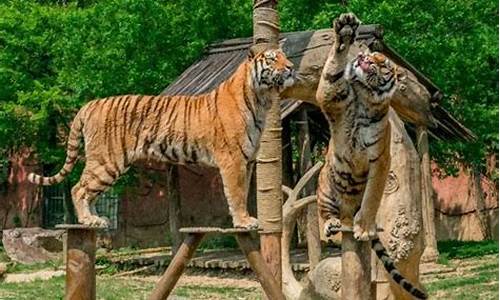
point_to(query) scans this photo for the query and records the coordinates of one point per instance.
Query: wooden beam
(269, 283)
(269, 173)
(176, 267)
(356, 268)
(430, 252)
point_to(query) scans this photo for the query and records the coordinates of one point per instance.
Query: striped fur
(221, 129)
(354, 96)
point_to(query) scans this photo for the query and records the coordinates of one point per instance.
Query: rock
(324, 280)
(33, 245)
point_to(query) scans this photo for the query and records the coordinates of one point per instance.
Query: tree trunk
(481, 211)
(269, 178)
(431, 252)
(174, 206)
(308, 222)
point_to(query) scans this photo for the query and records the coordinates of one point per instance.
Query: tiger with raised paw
(355, 96)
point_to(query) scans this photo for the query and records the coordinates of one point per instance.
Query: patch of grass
(16, 267)
(479, 282)
(118, 288)
(466, 249)
(210, 292)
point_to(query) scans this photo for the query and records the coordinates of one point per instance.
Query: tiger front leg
(235, 180)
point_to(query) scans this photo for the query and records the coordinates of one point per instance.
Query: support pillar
(430, 252)
(356, 268)
(80, 261)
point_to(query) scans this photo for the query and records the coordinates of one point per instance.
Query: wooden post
(356, 268)
(430, 252)
(174, 206)
(268, 282)
(194, 236)
(269, 177)
(176, 267)
(311, 215)
(80, 261)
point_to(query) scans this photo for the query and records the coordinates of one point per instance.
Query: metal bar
(262, 271)
(176, 267)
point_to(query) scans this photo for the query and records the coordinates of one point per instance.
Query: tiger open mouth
(364, 63)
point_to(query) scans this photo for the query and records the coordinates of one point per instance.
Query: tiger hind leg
(235, 180)
(84, 195)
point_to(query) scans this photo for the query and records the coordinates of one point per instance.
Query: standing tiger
(221, 129)
(355, 97)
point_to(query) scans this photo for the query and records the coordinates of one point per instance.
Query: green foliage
(219, 242)
(466, 249)
(56, 55)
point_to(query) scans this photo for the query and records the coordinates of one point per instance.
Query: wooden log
(174, 271)
(264, 274)
(174, 206)
(80, 262)
(430, 252)
(269, 173)
(356, 268)
(311, 214)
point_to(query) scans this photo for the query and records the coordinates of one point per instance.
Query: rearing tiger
(355, 97)
(221, 129)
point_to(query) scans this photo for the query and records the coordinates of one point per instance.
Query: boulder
(33, 245)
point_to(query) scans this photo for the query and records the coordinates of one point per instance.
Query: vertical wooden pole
(269, 177)
(430, 252)
(174, 206)
(174, 271)
(80, 262)
(311, 214)
(356, 268)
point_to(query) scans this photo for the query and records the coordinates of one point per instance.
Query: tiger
(355, 97)
(221, 129)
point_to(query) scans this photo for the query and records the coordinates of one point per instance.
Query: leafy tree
(56, 55)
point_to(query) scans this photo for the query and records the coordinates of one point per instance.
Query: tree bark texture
(481, 212)
(269, 177)
(174, 206)
(309, 217)
(431, 252)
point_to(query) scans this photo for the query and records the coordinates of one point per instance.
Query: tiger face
(271, 69)
(376, 72)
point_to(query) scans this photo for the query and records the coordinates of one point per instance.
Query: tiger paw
(345, 27)
(95, 221)
(332, 226)
(363, 230)
(247, 223)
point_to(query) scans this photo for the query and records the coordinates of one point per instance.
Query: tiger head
(271, 69)
(376, 72)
